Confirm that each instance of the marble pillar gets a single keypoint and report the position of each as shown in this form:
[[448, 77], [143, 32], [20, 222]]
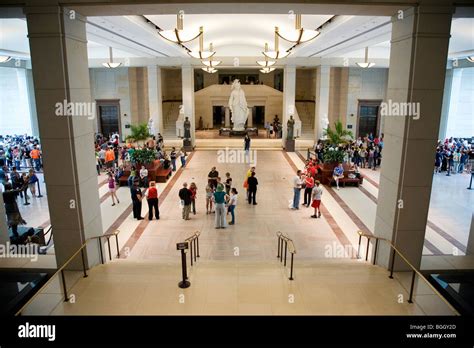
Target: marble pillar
[[187, 73], [322, 100], [155, 104], [289, 95]]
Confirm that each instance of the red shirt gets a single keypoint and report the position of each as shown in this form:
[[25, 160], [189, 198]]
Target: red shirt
[[309, 181], [193, 193], [152, 193]]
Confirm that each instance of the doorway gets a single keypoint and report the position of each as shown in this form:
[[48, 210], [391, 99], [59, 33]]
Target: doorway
[[108, 112], [368, 118], [258, 116], [218, 117]]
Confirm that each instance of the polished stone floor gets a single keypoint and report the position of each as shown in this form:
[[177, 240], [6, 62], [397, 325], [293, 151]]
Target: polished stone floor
[[237, 272]]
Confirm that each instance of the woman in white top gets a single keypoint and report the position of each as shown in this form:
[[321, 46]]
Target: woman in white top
[[232, 204]]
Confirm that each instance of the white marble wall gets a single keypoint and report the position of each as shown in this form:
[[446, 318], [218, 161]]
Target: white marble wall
[[461, 107], [112, 84], [364, 84]]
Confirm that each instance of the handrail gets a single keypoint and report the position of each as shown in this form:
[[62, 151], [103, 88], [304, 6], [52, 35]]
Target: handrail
[[289, 247], [61, 269], [193, 246], [392, 264]]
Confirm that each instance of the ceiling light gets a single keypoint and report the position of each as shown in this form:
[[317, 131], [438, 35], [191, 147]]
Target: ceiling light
[[4, 59], [366, 64], [209, 70], [201, 54], [211, 63], [275, 54], [266, 63], [470, 58], [267, 70], [110, 64], [298, 35], [179, 35]]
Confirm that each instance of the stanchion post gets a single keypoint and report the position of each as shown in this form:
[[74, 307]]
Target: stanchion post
[[410, 300], [367, 250], [286, 249], [392, 264], [197, 241], [39, 190], [291, 267], [191, 250], [278, 250], [183, 284], [358, 248], [66, 297], [83, 263], [375, 250]]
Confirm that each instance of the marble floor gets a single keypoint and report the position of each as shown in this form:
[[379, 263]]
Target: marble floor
[[237, 272]]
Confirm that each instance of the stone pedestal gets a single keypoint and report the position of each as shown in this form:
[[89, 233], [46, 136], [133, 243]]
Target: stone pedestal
[[290, 145], [187, 145]]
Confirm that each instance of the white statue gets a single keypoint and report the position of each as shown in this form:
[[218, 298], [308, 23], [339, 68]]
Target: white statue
[[324, 124], [151, 127], [238, 106]]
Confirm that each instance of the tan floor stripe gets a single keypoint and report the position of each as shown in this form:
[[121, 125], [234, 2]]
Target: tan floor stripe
[[144, 223], [324, 211]]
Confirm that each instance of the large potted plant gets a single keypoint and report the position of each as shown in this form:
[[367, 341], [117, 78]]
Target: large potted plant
[[334, 145], [139, 134], [143, 157]]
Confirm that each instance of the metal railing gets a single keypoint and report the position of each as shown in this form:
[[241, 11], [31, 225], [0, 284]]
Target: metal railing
[[60, 271], [394, 252], [285, 245], [193, 246]]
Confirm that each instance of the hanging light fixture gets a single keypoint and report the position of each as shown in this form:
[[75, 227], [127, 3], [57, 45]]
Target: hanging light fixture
[[470, 58], [201, 54], [298, 35], [179, 35], [266, 70], [209, 70], [211, 63], [4, 59], [110, 64], [276, 53], [366, 64], [266, 63]]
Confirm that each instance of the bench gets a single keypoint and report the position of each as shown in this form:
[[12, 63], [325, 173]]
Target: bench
[[162, 175], [156, 172]]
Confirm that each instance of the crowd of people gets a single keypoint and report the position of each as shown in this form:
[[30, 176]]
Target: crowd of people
[[274, 129], [454, 156]]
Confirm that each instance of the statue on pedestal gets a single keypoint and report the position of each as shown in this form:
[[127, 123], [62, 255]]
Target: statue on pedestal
[[187, 129], [151, 128], [238, 107], [290, 126]]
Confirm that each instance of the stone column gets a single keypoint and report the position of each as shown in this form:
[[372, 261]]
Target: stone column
[[32, 103], [470, 240], [227, 116], [322, 99], [155, 104], [187, 72], [58, 48], [446, 100], [289, 86], [418, 54]]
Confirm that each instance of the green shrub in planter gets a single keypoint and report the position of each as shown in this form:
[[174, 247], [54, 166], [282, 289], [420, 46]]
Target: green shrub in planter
[[143, 156]]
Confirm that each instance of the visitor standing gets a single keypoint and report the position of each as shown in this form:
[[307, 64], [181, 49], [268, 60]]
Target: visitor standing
[[32, 182], [109, 158], [185, 196], [308, 188], [316, 197], [247, 143], [35, 155], [233, 204], [228, 183], [144, 176], [14, 217], [193, 189], [152, 200], [173, 158], [209, 194], [112, 188], [252, 183], [137, 197], [297, 184], [212, 177], [182, 156], [220, 198]]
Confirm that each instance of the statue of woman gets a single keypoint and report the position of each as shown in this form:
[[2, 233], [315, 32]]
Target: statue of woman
[[238, 106]]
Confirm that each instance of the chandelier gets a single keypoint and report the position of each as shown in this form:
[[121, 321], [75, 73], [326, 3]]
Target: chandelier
[[298, 35], [110, 64], [201, 54], [211, 63], [469, 58], [179, 35], [209, 70], [266, 70], [275, 54], [366, 64], [4, 59], [266, 63]]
